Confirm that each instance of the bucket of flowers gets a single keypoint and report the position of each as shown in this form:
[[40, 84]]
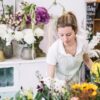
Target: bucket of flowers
[[85, 91], [95, 72]]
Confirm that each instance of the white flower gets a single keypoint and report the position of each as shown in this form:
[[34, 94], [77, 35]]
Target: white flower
[[38, 32], [98, 35], [94, 53], [93, 42], [48, 81], [28, 36], [54, 83], [18, 35], [3, 28], [6, 34], [59, 84]]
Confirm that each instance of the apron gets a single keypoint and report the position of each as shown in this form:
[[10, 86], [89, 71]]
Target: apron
[[69, 68]]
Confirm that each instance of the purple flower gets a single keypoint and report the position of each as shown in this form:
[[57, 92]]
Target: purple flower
[[18, 17], [28, 20], [42, 15]]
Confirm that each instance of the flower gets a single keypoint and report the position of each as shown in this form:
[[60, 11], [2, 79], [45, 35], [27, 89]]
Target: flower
[[31, 15], [84, 91], [93, 42], [95, 71], [38, 32], [42, 15], [28, 36], [6, 34], [51, 89]]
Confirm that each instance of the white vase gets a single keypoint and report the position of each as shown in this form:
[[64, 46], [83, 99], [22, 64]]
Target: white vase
[[26, 53], [17, 49]]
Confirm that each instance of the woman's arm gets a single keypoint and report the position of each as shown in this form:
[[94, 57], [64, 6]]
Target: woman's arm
[[87, 61], [51, 70]]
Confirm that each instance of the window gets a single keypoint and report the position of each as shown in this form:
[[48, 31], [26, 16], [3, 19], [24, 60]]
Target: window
[[6, 77]]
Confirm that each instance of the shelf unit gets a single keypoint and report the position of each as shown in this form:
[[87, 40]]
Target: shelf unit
[[96, 25], [92, 21]]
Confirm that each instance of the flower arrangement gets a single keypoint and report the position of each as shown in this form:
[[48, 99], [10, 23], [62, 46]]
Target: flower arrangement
[[6, 34], [85, 91], [95, 71], [6, 13], [6, 38], [93, 44], [31, 20], [31, 15], [51, 89], [24, 94]]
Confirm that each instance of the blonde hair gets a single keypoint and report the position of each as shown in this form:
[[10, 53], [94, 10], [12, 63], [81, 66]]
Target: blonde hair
[[68, 19]]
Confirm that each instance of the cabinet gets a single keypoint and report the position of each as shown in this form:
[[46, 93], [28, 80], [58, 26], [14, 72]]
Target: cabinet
[[96, 25], [93, 15], [23, 73]]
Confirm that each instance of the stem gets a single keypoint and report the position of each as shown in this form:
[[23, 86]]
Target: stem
[[2, 8]]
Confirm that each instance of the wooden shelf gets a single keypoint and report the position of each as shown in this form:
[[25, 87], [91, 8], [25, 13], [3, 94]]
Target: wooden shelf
[[96, 25], [96, 19], [92, 1]]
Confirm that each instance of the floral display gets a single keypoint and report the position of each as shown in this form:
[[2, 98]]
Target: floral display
[[55, 89], [93, 44], [85, 91], [51, 89], [6, 13], [95, 71], [31, 15], [25, 26]]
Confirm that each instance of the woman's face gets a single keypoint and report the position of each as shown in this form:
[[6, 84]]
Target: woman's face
[[66, 34]]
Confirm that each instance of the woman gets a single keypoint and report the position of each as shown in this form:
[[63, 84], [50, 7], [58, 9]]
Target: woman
[[66, 55]]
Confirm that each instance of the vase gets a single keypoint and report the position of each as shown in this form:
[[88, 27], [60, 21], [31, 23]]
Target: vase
[[8, 51], [38, 51], [2, 58], [26, 53], [17, 49]]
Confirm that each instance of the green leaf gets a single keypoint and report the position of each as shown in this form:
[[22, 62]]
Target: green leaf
[[38, 96], [98, 71]]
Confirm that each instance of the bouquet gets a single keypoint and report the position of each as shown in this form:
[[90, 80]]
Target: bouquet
[[51, 89], [85, 91], [95, 71]]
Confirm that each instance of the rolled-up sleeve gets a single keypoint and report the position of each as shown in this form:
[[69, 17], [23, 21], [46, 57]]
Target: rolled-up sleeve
[[52, 55]]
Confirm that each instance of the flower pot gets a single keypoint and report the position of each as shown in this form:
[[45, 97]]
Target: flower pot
[[26, 53], [2, 58], [8, 51]]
